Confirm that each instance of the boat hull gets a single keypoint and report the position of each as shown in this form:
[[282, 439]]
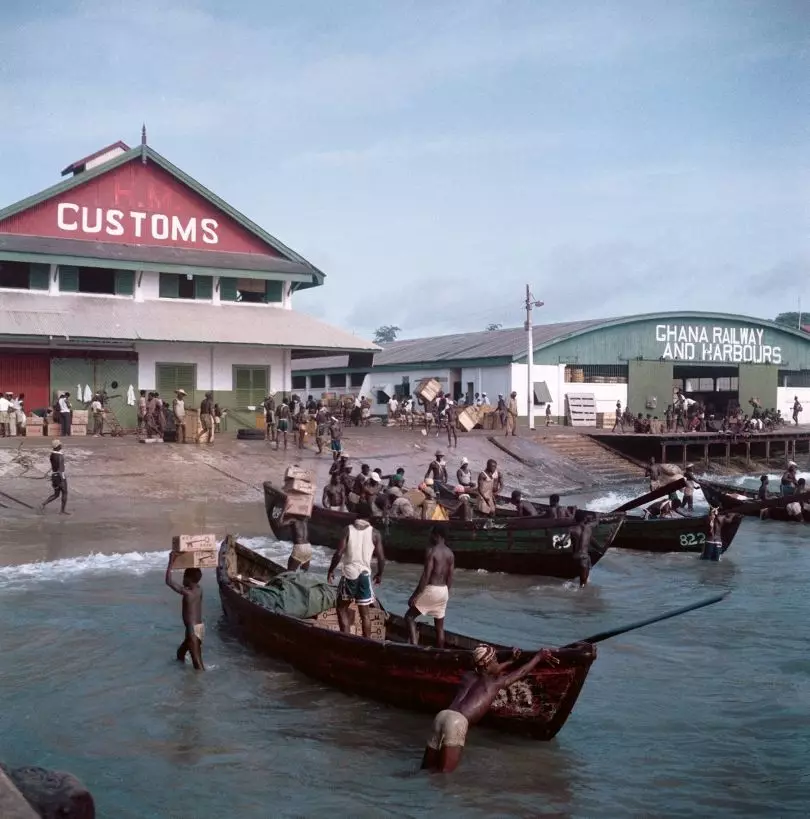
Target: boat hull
[[416, 678], [533, 546], [679, 534], [721, 495]]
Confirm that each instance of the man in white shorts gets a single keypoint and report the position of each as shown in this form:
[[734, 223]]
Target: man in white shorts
[[433, 590]]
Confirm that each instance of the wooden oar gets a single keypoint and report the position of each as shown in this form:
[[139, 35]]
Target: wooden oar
[[606, 635], [17, 500], [662, 490]]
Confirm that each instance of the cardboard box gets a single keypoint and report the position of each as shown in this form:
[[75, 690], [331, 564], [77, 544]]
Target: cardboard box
[[299, 485], [428, 389], [194, 543], [294, 472], [78, 429], [299, 504], [195, 560], [79, 417], [34, 421], [329, 620], [34, 431]]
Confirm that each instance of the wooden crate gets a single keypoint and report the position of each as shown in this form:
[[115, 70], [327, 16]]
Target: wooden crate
[[34, 421], [194, 543], [77, 430], [195, 560], [302, 474], [34, 431], [79, 417], [299, 504], [469, 418], [301, 485], [428, 389]]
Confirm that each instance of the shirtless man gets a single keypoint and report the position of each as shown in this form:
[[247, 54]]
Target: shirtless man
[[301, 553], [556, 511], [335, 433], [58, 479], [472, 703], [581, 541], [433, 590], [713, 547], [524, 508], [192, 613], [489, 485], [284, 420], [653, 472], [437, 468], [451, 418], [321, 428], [360, 543], [511, 414], [270, 418], [334, 494]]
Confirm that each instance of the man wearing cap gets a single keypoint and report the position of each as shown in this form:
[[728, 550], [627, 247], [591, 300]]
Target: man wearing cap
[[473, 700], [511, 414], [464, 475], [179, 412], [433, 590], [360, 543], [437, 468], [58, 479]]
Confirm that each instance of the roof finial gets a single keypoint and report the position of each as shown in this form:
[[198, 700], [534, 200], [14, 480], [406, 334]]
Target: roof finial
[[143, 144]]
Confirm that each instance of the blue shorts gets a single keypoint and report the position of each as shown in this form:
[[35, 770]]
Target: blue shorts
[[711, 551], [358, 590], [337, 446]]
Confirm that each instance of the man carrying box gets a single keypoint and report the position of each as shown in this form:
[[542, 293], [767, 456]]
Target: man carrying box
[[192, 613]]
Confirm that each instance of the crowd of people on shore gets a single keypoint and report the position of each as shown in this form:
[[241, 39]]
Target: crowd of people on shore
[[12, 414]]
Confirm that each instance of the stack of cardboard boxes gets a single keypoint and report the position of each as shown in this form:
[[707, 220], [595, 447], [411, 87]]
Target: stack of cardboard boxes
[[78, 422], [329, 620], [194, 551], [299, 486]]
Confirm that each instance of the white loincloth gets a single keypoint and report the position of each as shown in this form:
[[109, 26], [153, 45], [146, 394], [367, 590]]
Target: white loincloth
[[449, 728], [432, 602], [302, 552]]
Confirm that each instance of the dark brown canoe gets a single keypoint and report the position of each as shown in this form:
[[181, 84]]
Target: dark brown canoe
[[537, 546], [684, 533], [418, 678], [722, 495]]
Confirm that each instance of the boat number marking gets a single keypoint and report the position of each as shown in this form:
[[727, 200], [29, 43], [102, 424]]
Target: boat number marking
[[561, 541], [693, 539]]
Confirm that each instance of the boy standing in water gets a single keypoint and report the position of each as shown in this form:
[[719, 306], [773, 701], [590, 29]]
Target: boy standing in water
[[192, 613]]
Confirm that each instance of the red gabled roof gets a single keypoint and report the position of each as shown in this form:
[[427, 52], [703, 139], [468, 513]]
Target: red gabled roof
[[80, 163]]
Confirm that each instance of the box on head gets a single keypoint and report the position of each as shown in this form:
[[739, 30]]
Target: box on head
[[194, 552]]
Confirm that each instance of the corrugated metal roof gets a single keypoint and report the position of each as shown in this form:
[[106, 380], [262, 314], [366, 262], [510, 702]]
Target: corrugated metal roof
[[508, 343], [121, 319]]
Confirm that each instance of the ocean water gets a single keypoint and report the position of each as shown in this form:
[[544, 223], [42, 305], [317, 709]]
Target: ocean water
[[705, 714]]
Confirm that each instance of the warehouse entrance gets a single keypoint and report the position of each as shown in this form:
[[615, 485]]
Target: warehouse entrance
[[724, 389]]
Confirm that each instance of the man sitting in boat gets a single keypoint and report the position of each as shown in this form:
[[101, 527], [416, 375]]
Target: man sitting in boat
[[788, 482], [666, 508], [762, 492], [433, 590], [359, 544], [476, 694], [489, 485], [524, 508], [556, 511]]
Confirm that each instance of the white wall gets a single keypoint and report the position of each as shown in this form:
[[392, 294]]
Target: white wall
[[784, 402], [491, 380], [214, 363]]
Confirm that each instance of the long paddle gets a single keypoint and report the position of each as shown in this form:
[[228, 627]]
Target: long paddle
[[662, 490], [606, 635]]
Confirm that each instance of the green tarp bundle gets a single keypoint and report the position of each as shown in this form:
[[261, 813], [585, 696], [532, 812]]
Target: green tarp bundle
[[295, 593]]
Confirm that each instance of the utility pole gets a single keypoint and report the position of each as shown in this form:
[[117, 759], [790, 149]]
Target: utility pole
[[530, 303]]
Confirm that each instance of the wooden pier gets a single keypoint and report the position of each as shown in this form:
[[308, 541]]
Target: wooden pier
[[773, 448]]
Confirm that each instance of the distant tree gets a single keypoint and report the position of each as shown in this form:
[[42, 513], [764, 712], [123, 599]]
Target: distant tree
[[493, 326], [386, 334], [792, 319]]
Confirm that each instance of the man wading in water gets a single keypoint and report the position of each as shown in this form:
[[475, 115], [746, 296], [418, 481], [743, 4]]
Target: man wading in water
[[433, 590], [192, 613], [473, 700]]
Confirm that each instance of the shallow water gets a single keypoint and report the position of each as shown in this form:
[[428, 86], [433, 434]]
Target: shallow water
[[706, 713]]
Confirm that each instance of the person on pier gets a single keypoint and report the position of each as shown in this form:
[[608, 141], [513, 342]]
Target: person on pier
[[432, 592], [797, 408], [472, 702]]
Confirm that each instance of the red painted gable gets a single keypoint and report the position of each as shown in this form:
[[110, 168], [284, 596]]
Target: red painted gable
[[137, 204]]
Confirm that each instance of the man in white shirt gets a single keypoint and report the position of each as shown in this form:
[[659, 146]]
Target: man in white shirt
[[5, 406], [64, 414], [96, 416], [393, 406]]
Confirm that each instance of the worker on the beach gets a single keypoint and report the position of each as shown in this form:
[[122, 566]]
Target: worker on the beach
[[689, 486], [58, 478], [179, 412], [619, 422], [284, 418], [489, 485], [335, 434], [548, 415], [269, 405], [359, 544], [321, 427], [511, 414], [451, 419], [524, 508], [472, 703], [581, 541], [797, 408], [334, 494], [207, 418], [714, 541], [789, 480], [301, 553], [192, 613], [433, 589], [653, 472]]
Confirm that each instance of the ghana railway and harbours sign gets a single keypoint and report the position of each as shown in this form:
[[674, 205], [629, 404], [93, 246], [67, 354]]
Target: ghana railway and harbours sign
[[731, 345]]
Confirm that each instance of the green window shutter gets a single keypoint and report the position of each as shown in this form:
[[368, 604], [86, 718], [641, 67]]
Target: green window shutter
[[169, 287], [171, 377], [227, 289], [250, 385], [68, 278], [124, 282], [273, 292], [203, 287], [38, 276]]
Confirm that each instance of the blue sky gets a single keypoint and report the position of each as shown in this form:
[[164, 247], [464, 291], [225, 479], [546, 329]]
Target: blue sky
[[434, 157]]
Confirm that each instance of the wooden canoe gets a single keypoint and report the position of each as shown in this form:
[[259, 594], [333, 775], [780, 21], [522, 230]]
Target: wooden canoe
[[418, 678], [722, 495], [684, 533], [537, 546]]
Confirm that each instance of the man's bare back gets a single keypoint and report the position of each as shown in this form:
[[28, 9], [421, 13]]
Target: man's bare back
[[441, 563]]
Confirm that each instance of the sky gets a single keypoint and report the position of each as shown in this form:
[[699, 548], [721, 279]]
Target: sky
[[433, 158]]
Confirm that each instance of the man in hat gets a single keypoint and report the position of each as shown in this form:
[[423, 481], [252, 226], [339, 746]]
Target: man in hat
[[433, 590], [179, 412], [437, 468], [511, 414], [464, 475], [58, 479], [207, 418], [473, 700]]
